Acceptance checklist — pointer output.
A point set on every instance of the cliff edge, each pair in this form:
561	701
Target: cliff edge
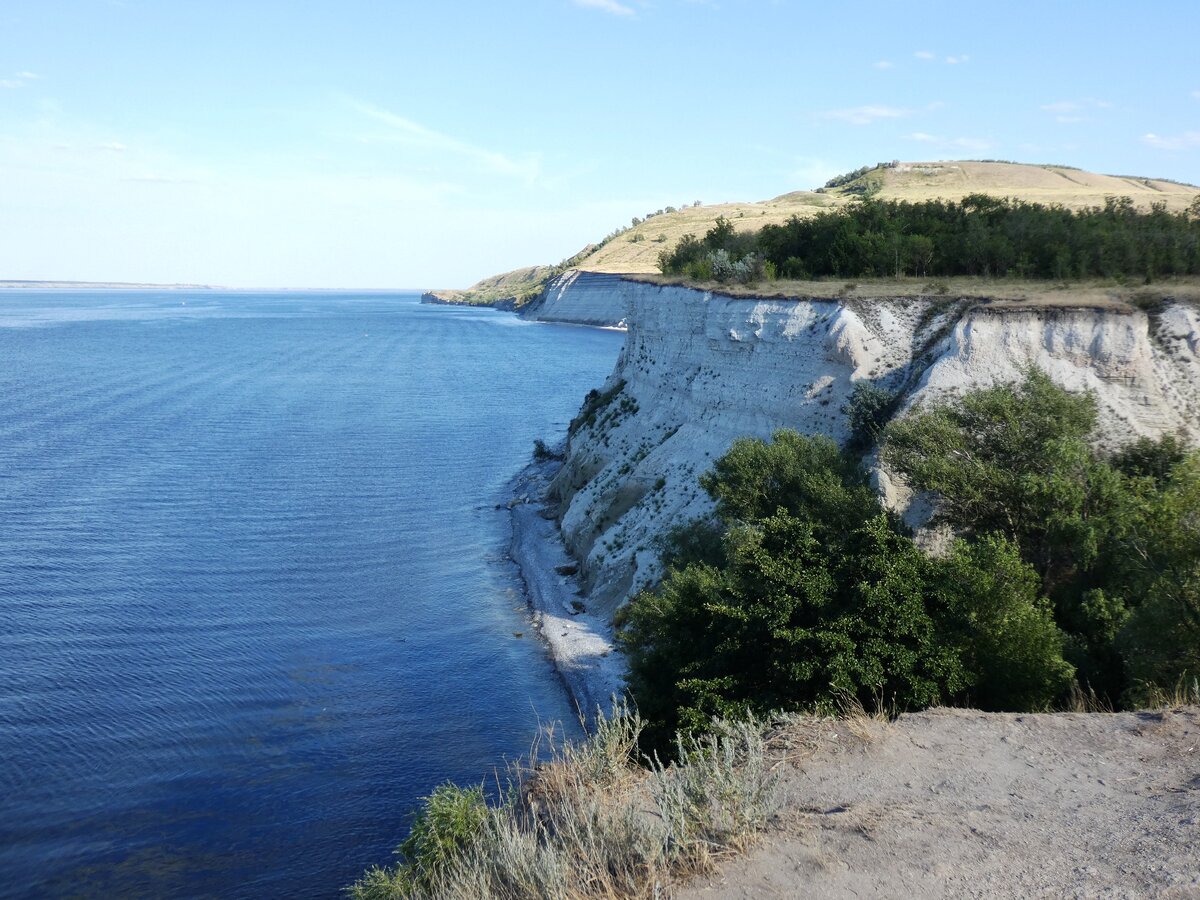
700	369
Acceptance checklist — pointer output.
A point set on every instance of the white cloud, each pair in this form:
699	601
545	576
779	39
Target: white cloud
416	134
1196	94
18	80
152	178
970	143
930	56
113	146
884	64
609	6
976	145
1174	142
865	115
1070	112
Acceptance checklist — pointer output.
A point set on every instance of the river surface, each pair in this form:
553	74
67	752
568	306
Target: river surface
254	594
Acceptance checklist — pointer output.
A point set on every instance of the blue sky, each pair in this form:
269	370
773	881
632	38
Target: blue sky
397	144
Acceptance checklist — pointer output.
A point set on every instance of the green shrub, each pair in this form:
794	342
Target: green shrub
1115	541
1010	642
446	828
814	594
868	411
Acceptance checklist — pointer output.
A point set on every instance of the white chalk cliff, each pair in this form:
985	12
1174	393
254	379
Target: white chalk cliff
700	369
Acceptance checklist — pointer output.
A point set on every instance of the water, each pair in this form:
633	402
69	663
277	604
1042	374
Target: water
254	599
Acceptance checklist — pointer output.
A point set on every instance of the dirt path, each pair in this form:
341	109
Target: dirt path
957	803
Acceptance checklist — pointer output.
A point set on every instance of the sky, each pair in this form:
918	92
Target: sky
393	144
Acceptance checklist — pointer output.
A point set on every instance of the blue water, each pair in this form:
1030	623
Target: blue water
254	599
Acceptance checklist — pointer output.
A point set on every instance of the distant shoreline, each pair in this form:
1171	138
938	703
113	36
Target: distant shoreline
102	285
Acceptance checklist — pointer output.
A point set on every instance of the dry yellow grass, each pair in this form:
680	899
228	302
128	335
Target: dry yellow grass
636	251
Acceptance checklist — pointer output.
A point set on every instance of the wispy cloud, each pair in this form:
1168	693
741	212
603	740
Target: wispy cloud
113	147
418	135
18	80
612	7
1196	94
1183	141
977	145
930	56
152	178
865	115
1069	112
884	64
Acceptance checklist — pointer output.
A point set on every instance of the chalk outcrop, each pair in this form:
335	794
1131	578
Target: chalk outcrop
700	369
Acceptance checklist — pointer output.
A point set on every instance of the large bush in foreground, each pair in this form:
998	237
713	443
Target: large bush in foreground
813	595
1114	539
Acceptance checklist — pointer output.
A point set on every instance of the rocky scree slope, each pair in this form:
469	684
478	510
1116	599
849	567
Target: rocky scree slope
700	369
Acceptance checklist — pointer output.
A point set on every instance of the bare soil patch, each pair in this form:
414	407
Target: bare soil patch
959	803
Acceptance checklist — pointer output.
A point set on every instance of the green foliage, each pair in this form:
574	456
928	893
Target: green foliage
594	403
801	591
813	594
1003	459
868	411
542	453
804	475
723	255
980	235
449	822
1009	640
1115	541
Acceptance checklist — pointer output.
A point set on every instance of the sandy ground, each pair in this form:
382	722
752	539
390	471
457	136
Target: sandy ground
958	803
580	644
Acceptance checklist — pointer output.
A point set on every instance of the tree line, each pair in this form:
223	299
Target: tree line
979	235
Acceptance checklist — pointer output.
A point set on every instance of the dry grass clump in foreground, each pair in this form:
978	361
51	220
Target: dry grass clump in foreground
590	821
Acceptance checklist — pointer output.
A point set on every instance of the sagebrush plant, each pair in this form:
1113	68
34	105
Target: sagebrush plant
590	821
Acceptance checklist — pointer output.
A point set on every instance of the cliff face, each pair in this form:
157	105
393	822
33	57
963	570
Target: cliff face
699	370
581	298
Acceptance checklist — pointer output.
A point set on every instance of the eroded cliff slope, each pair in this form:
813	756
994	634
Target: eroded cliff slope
700	369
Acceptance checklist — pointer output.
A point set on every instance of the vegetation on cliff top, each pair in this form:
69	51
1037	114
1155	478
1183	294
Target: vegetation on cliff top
981	236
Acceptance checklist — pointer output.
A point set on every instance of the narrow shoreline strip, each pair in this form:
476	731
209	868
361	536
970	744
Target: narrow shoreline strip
581	645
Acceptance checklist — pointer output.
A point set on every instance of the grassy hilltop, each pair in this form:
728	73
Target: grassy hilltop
635	250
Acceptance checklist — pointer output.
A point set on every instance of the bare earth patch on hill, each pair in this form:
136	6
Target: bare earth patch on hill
959	803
